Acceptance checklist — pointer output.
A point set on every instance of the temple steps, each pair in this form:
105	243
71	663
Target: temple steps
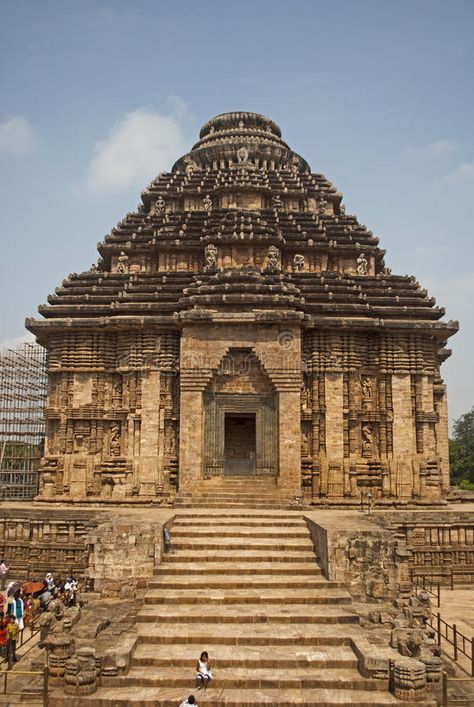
232	697
242	568
236	581
275	677
245	586
245	596
262	657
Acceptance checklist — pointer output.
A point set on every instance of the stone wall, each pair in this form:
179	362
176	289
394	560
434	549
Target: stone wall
437	540
371	561
112	551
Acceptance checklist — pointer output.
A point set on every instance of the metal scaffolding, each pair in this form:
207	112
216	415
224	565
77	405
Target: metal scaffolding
23	387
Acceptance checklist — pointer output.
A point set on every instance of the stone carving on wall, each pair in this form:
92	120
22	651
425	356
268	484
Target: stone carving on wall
242	155
367	440
298	261
322	203
362	265
277	203
207	203
115	439
210	255
160	206
191	165
274	258
122	264
367	389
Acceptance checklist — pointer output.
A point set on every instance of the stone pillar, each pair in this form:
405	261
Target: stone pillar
429	441
289	434
442	444
150	432
333	385
190	437
403	436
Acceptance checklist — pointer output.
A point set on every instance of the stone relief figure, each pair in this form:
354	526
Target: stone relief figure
298	261
274	259
366	385
277	203
322	205
207	203
295	164
362	265
122	265
242	155
366	439
115	439
210	254
160	206
191	165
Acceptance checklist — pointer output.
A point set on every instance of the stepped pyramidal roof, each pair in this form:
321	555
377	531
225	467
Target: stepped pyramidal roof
240	224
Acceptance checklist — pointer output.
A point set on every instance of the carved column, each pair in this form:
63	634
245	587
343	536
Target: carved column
403	436
150	433
334	394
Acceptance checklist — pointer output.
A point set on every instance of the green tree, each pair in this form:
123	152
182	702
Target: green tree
461	449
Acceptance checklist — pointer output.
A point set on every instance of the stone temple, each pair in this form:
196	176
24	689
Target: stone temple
241	324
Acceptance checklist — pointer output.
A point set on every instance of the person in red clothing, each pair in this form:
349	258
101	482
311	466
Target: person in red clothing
3	635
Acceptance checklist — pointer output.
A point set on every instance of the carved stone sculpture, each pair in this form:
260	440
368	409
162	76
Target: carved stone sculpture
274	258
160	206
242	155
207	203
122	264
362	265
81	675
298	262
210	255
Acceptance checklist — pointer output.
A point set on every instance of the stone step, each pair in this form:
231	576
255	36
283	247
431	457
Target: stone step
243	531
244	614
237	581
246	596
250	657
171	697
191	503
250	513
238	521
197	544
227	555
263	569
232	496
244	678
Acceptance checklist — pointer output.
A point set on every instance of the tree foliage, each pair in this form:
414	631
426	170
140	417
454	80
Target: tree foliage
461	449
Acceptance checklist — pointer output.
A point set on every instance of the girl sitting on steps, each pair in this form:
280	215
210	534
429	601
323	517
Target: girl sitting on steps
203	671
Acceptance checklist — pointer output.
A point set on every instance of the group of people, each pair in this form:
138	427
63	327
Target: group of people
24	603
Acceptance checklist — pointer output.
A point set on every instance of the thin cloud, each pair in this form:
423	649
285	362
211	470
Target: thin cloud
17	136
462	172
139	146
438	148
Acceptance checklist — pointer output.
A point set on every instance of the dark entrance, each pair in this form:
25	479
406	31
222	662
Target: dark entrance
240	443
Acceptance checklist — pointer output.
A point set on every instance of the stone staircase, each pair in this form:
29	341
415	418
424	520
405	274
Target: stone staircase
235	492
245	586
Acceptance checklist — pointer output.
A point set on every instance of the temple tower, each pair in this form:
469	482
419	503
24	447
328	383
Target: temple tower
241	323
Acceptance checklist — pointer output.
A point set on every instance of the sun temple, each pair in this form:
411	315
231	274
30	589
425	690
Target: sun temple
240	323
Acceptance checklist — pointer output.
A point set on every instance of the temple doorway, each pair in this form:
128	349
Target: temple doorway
240	444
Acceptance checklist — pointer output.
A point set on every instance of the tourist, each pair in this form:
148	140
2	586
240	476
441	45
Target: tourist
19	609
190	701
12	633
167	540
3	573
3	634
203	671
49	581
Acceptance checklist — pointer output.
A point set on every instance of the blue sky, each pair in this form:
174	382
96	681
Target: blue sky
98	97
